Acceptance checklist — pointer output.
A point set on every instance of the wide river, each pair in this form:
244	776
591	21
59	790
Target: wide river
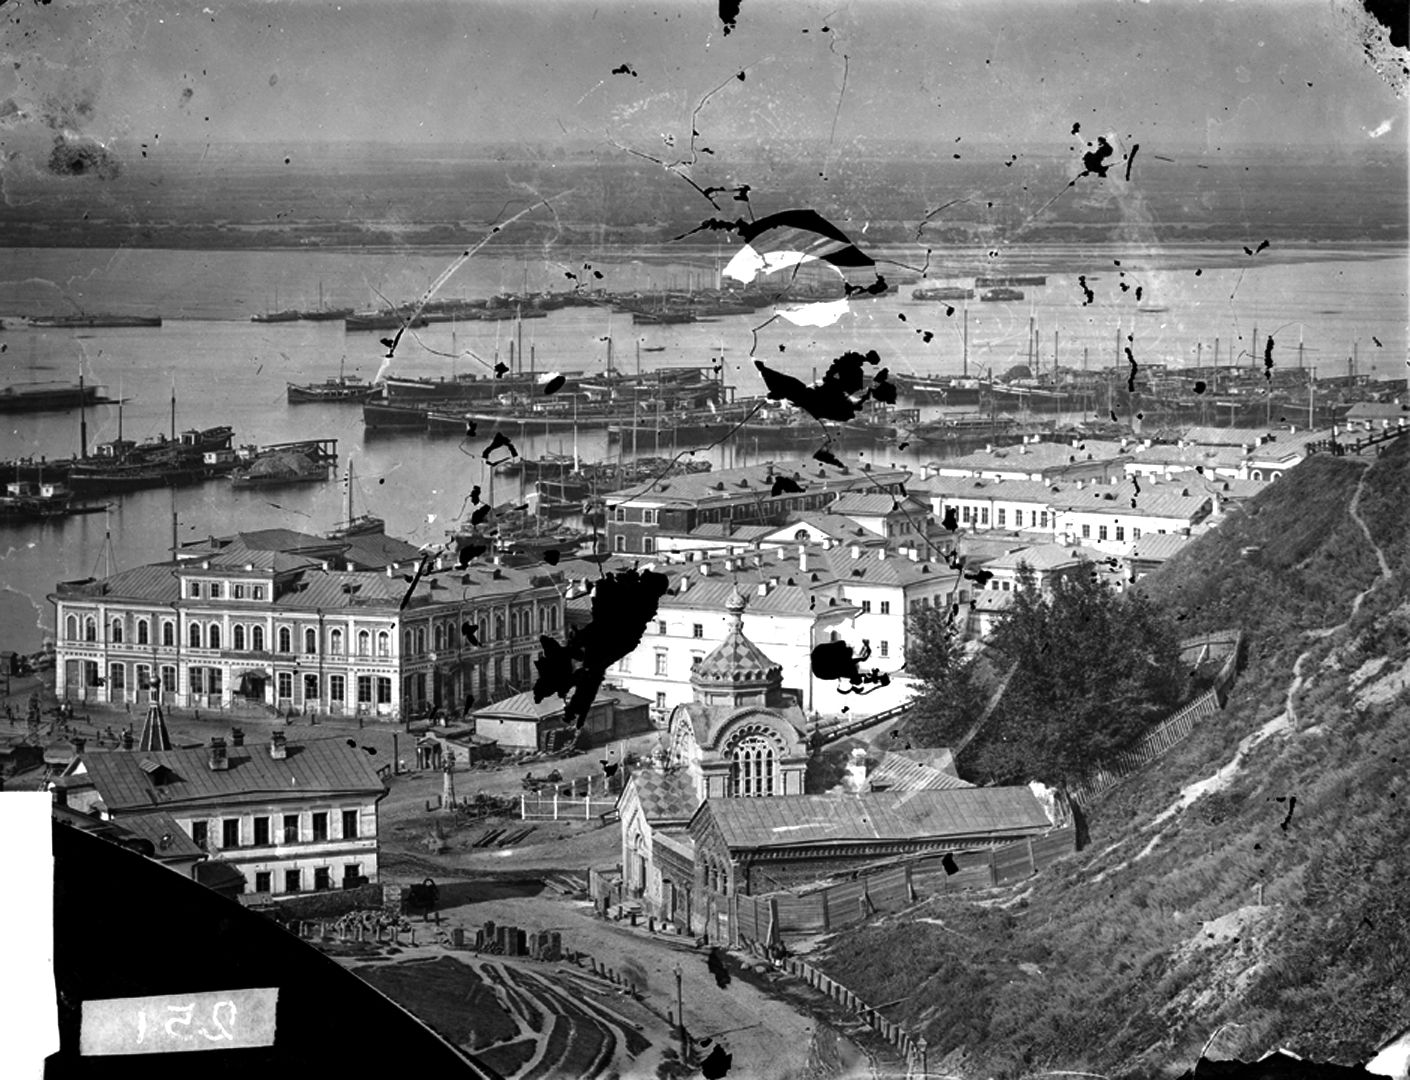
1336	303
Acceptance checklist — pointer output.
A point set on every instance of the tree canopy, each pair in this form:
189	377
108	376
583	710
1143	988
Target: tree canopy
1089	671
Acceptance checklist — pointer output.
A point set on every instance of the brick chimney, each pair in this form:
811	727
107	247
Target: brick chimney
856	551
915	554
881	554
802	558
278	748
219	758
78	743
854	778
237	737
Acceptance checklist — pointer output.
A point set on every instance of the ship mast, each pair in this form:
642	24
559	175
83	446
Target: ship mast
82	417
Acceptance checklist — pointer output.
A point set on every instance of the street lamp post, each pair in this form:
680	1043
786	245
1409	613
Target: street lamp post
680	1015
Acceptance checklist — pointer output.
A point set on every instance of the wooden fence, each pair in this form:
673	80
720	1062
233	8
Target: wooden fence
770	917
557	806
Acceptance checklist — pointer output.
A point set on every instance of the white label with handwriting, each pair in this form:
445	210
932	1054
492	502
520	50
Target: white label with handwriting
173	1023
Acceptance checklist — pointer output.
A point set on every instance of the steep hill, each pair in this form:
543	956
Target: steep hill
1249	887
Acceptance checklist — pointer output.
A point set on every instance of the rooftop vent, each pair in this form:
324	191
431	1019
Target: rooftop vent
237	737
278	747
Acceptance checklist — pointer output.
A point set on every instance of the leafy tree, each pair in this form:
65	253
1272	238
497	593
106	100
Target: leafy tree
1092	671
952	692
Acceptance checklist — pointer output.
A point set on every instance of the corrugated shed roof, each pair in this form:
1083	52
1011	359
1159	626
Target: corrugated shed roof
790	820
319	767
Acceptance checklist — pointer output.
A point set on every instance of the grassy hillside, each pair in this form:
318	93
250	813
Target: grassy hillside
1269	905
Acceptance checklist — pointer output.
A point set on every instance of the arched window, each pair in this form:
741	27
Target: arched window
237	638
117	631
90	629
483	635
195	636
144	632
310	640
364	643
335	642
439	637
286	641
552	620
71	628
499	627
168	633
214	636
752	763
384	643
420	640
257	638
406	642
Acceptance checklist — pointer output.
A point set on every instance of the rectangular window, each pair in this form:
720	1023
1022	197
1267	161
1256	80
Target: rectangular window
364	689
311	688
320	825
695	660
1121	532
169	679
1002	512
885	648
261	832
620	543
648	545
697	630
1135	533
349	824
144	677
337	688
1086	532
624	665
200	833
984	515
259	592
286	685
215	590
886	607
291	828
214	680
384	690
238	592
195	590
620	514
866	607
230	833
660	626
1043	520
291	881
197	678
262	882
660	663
967	512
648	517
660	699
321	879
1101	532
352	874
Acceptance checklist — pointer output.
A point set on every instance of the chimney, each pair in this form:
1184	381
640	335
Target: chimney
704	568
278	748
127	739
802	558
684	584
219	759
881	554
915	554
988	448
237	736
827	543
78	743
1079	484
1113	478
856	551
389	571
855	776
763	588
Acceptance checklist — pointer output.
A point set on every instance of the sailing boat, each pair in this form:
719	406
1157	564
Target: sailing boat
360	525
287	315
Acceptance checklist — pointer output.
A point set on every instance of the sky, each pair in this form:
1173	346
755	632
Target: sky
1174	72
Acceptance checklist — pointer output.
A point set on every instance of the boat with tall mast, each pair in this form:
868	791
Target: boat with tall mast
356	524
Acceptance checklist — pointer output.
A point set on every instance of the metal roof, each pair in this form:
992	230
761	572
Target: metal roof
791	820
319	767
753	482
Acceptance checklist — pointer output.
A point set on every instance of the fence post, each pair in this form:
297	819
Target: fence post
993	870
1032	862
555	804
587	805
910	886
523	806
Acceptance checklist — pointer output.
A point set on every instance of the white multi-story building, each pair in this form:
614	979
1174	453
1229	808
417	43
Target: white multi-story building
291	817
288	631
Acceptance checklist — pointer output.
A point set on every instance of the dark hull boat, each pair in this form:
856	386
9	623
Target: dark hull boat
90	322
49	398
349	389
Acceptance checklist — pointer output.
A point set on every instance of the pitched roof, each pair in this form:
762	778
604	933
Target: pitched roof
977	487
665	796
316	767
874	504
1043	557
1158	547
904	772
523	707
832	525
157	584
1181	500
791	820
868	568
1034	457
755	481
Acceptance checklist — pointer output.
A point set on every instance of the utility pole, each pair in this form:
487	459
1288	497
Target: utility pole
680	1016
